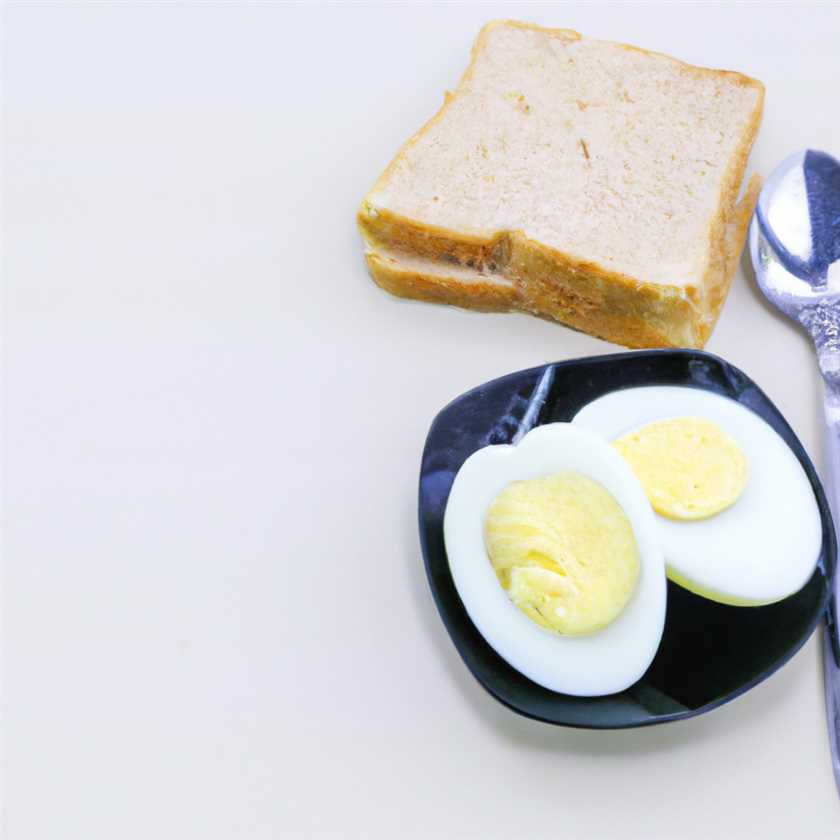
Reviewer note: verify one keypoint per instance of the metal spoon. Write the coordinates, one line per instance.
(795, 249)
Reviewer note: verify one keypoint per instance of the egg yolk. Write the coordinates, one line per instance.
(689, 467)
(564, 551)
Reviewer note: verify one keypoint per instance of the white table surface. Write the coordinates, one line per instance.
(215, 618)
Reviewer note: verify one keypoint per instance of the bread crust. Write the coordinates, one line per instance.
(553, 284)
(631, 323)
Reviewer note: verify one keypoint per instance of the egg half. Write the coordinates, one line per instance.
(765, 544)
(602, 662)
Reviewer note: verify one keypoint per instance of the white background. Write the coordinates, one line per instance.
(215, 619)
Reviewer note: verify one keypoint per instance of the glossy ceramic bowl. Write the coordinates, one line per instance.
(710, 653)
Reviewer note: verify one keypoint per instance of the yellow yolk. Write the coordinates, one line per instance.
(564, 550)
(689, 467)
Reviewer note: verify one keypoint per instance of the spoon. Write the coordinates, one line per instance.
(795, 249)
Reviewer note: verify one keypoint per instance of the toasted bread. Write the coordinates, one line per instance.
(585, 181)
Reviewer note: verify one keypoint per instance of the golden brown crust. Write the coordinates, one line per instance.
(615, 313)
(732, 244)
(729, 225)
(549, 283)
(556, 285)
(399, 280)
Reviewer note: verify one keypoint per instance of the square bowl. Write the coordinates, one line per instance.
(710, 653)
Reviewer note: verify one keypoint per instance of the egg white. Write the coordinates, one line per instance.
(602, 663)
(763, 548)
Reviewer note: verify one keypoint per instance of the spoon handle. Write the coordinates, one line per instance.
(831, 634)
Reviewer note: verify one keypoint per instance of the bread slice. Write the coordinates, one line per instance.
(585, 181)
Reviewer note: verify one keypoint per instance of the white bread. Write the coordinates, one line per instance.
(580, 180)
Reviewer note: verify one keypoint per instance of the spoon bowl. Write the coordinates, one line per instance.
(795, 233)
(795, 248)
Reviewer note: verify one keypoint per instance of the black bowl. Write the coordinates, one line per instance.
(710, 653)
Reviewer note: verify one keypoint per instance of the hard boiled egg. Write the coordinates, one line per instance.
(737, 516)
(509, 499)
